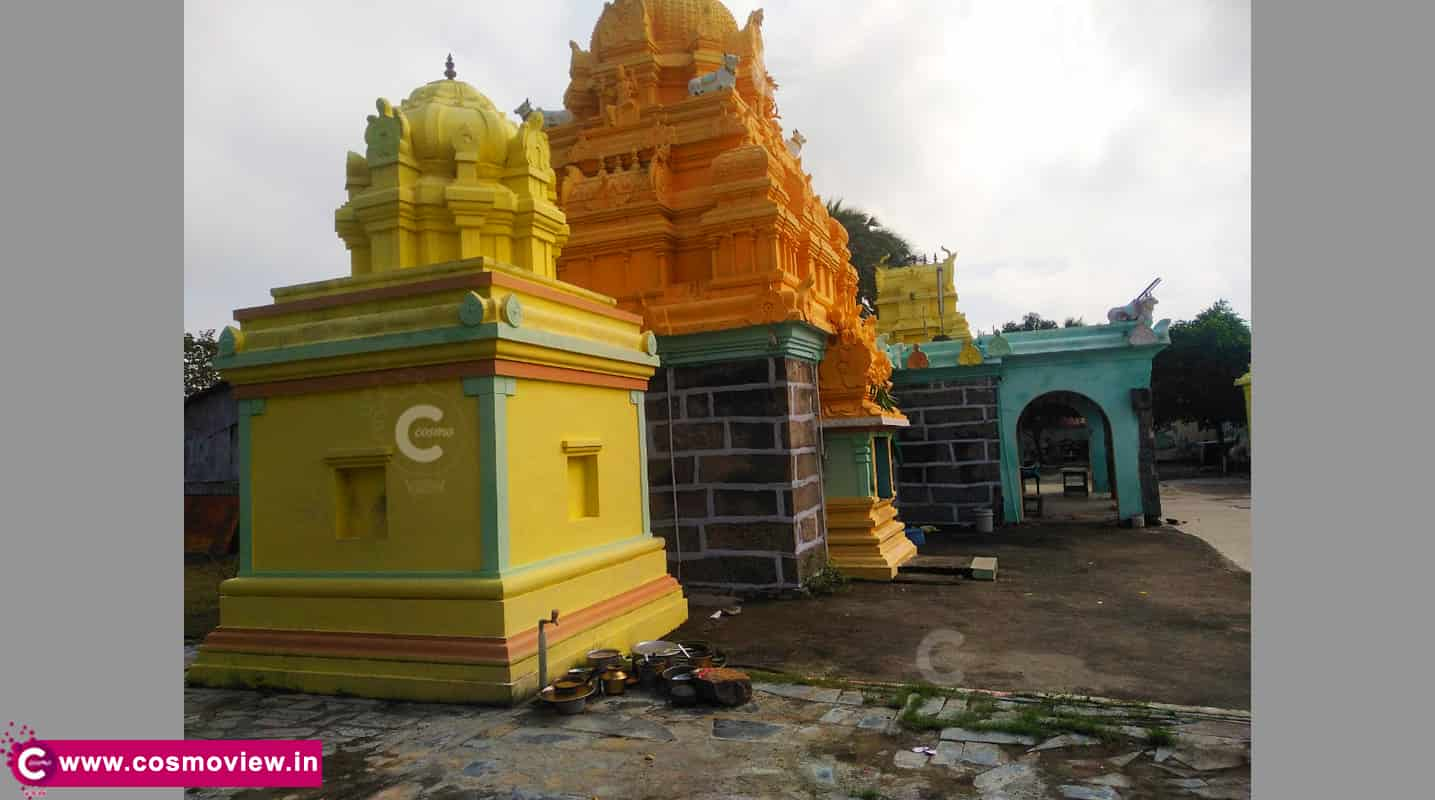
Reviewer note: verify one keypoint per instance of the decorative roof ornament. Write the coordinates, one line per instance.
(1139, 309)
(449, 73)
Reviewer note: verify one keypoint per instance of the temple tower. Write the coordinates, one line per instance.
(687, 204)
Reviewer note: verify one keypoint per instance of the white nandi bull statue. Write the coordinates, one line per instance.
(795, 143)
(1138, 310)
(550, 118)
(725, 78)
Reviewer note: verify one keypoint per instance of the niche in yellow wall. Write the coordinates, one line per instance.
(582, 477)
(360, 495)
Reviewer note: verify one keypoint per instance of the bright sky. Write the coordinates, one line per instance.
(1069, 151)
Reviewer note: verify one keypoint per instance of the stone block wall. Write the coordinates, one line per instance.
(734, 473)
(949, 459)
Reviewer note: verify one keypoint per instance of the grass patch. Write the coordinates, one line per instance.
(869, 794)
(766, 676)
(828, 580)
(1160, 737)
(201, 593)
(1038, 720)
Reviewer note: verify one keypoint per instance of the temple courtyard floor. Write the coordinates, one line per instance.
(790, 741)
(1085, 608)
(1079, 611)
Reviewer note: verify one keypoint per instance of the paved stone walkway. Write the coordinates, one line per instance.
(789, 742)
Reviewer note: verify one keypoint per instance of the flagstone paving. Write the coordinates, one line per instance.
(789, 742)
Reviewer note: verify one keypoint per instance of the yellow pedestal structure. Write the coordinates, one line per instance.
(910, 308)
(1245, 383)
(447, 445)
(859, 419)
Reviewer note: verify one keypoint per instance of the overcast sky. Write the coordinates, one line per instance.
(1069, 151)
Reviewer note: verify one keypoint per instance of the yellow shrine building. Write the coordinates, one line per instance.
(918, 302)
(445, 446)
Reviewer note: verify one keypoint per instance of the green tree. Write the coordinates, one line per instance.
(1074, 322)
(869, 242)
(1031, 322)
(1193, 378)
(199, 352)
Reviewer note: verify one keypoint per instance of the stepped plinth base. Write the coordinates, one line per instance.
(865, 540)
(435, 639)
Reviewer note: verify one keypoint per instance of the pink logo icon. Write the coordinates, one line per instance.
(30, 760)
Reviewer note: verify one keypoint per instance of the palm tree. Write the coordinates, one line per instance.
(869, 242)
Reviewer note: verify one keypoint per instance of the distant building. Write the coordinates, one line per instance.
(211, 442)
(211, 471)
(910, 306)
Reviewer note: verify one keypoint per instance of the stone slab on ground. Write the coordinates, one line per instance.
(932, 706)
(850, 698)
(745, 729)
(795, 691)
(948, 753)
(842, 715)
(618, 725)
(1123, 760)
(1074, 792)
(953, 708)
(877, 720)
(982, 754)
(906, 759)
(1066, 740)
(984, 568)
(1003, 776)
(990, 737)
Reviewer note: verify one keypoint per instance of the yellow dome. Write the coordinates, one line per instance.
(437, 110)
(674, 22)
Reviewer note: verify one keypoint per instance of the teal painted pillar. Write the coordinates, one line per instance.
(493, 393)
(847, 465)
(1007, 418)
(1126, 444)
(248, 409)
(1100, 477)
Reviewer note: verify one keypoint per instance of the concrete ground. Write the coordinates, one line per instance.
(1217, 509)
(790, 741)
(1214, 508)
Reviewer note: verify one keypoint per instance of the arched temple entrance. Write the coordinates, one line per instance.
(1059, 431)
(964, 443)
(1108, 387)
(1062, 429)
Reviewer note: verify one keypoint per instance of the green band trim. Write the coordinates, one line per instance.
(248, 408)
(428, 338)
(785, 340)
(636, 397)
(910, 377)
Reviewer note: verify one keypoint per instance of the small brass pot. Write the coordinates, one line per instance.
(615, 681)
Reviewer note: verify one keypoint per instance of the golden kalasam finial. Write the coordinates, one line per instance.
(449, 73)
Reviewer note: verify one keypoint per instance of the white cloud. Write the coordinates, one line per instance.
(1070, 151)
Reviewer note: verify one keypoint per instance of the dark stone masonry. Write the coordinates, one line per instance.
(734, 478)
(948, 460)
